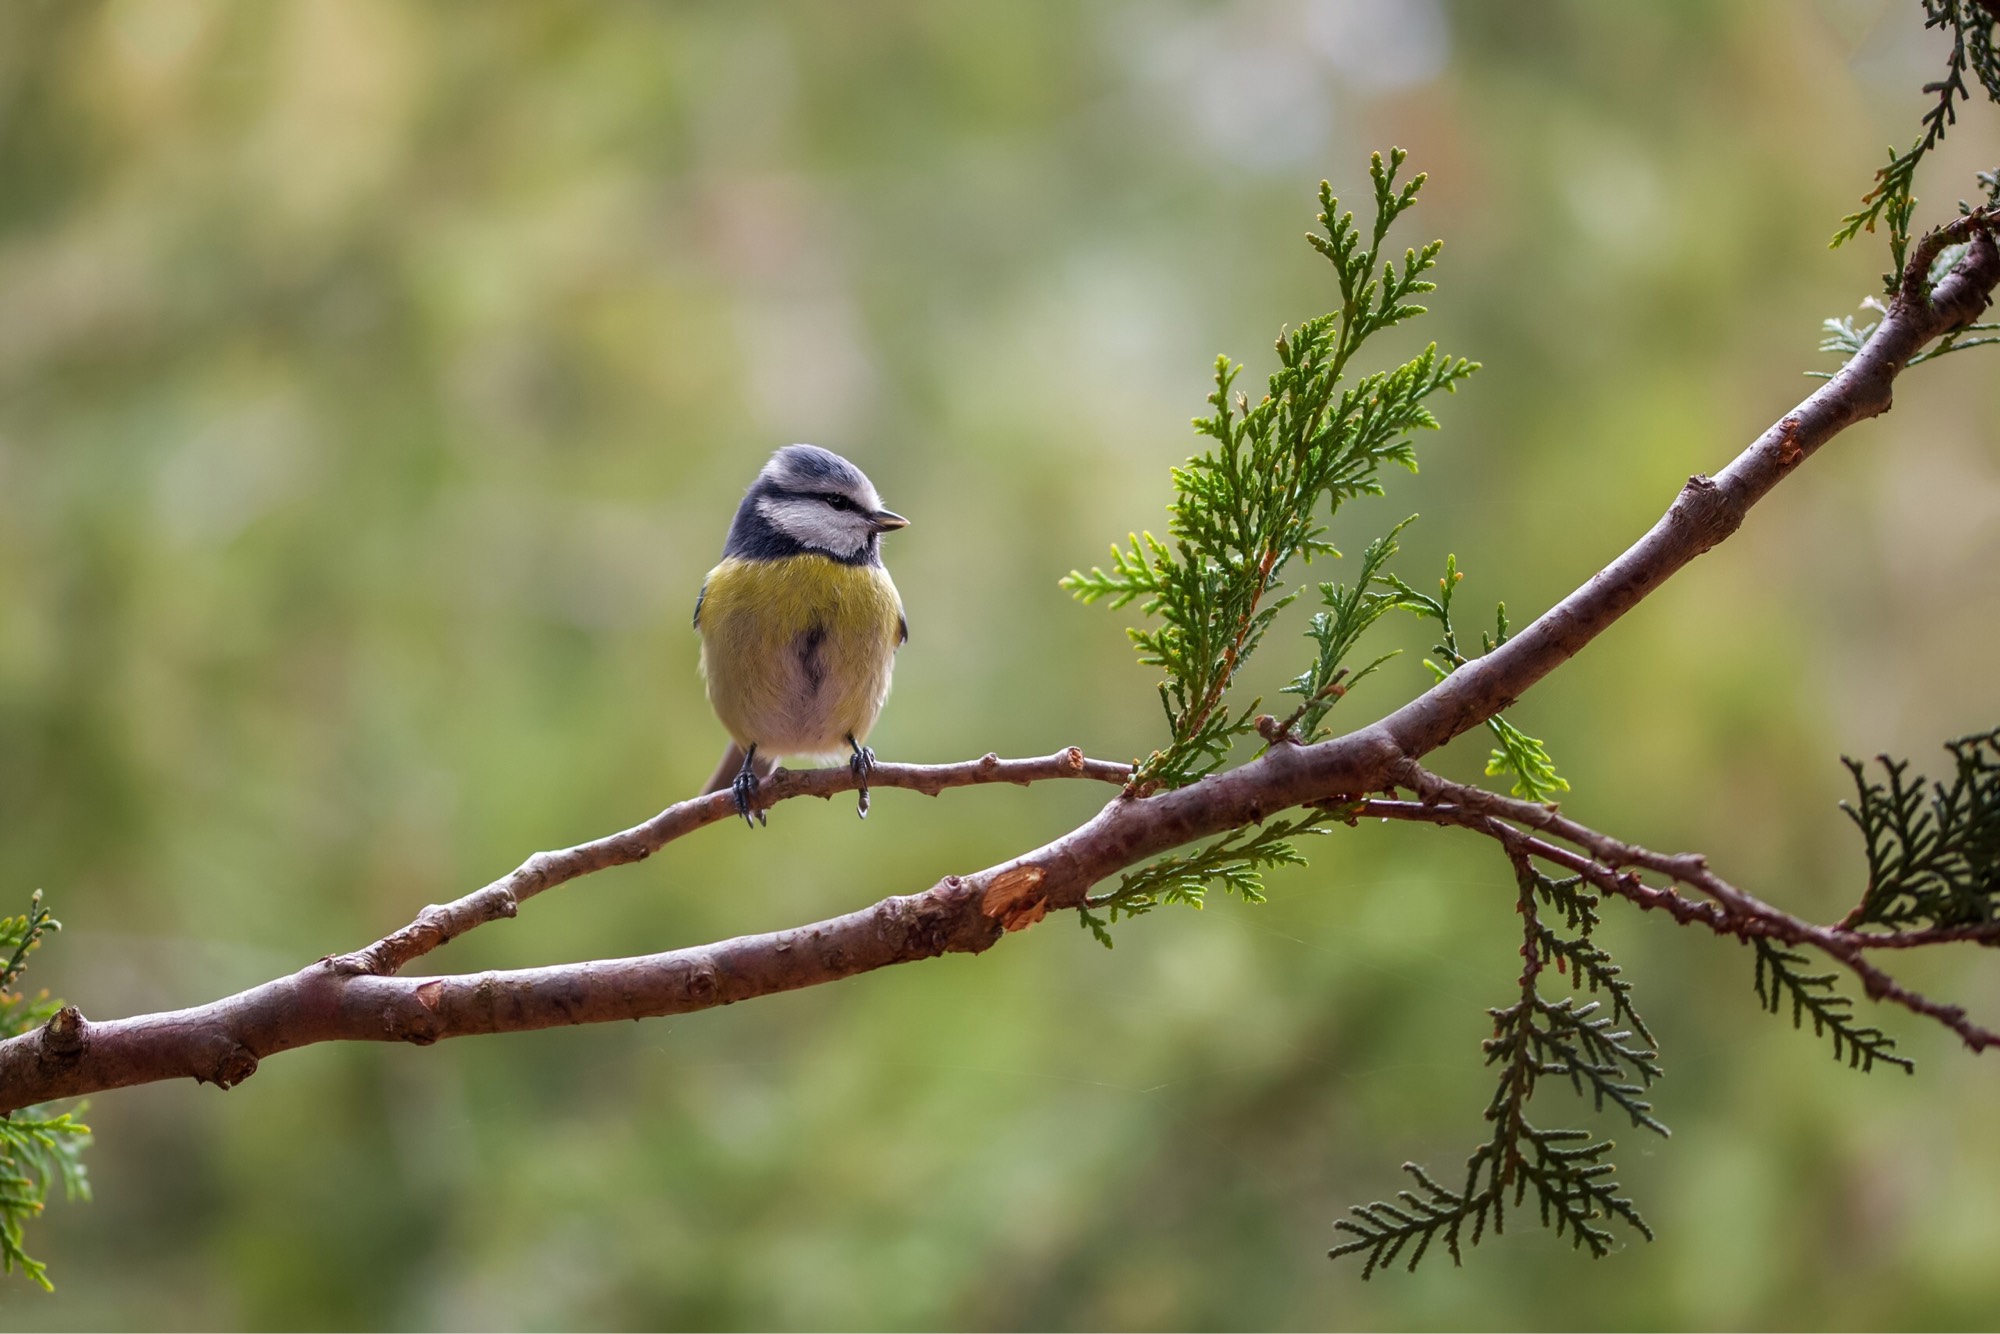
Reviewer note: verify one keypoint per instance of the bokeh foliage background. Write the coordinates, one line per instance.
(376, 382)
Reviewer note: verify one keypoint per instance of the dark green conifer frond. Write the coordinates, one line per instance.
(1781, 975)
(1519, 757)
(1608, 1056)
(1975, 47)
(1587, 965)
(1933, 848)
(36, 1150)
(1250, 504)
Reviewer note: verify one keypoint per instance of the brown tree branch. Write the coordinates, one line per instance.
(1708, 510)
(440, 923)
(359, 997)
(1732, 912)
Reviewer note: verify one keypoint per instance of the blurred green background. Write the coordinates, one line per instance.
(376, 384)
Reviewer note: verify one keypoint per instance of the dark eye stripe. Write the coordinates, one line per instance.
(830, 498)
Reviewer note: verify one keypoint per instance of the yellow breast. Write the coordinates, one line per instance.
(798, 651)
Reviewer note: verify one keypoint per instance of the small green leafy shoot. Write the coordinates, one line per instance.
(1244, 509)
(1235, 863)
(1519, 757)
(36, 1150)
(35, 1153)
(1609, 1056)
(1891, 200)
(1350, 610)
(20, 937)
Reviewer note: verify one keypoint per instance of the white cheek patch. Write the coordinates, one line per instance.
(838, 532)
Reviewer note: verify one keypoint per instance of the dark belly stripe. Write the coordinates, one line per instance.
(811, 657)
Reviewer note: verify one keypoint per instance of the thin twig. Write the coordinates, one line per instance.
(440, 923)
(1733, 912)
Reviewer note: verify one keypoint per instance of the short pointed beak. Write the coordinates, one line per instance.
(887, 521)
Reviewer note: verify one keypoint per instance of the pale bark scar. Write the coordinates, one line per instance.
(1014, 898)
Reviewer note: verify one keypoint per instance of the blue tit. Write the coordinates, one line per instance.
(800, 623)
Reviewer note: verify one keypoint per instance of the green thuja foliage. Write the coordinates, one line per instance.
(37, 1150)
(1847, 334)
(1782, 976)
(1266, 490)
(1933, 847)
(1933, 852)
(1235, 862)
(1973, 29)
(1269, 489)
(1334, 633)
(1600, 1048)
(1519, 757)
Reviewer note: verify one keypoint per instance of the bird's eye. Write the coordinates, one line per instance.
(839, 502)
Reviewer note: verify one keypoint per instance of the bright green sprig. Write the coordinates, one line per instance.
(20, 937)
(1234, 863)
(1519, 757)
(1890, 200)
(1350, 610)
(36, 1150)
(35, 1153)
(1524, 760)
(1252, 502)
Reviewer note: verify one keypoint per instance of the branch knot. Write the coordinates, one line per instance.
(1707, 510)
(66, 1034)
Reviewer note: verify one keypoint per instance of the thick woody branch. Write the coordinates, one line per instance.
(356, 997)
(359, 996)
(1708, 509)
(222, 1043)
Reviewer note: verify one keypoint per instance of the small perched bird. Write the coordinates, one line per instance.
(800, 623)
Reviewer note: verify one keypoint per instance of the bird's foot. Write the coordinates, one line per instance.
(861, 764)
(744, 789)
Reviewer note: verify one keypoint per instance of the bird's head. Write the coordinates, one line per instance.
(820, 500)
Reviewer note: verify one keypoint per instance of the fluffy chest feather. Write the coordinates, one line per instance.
(798, 651)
